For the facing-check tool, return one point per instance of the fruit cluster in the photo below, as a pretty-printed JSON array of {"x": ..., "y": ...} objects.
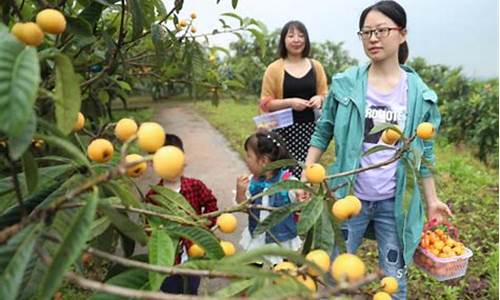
[
  {"x": 346, "y": 267},
  {"x": 440, "y": 255},
  {"x": 47, "y": 21},
  {"x": 168, "y": 161},
  {"x": 440, "y": 244},
  {"x": 226, "y": 223}
]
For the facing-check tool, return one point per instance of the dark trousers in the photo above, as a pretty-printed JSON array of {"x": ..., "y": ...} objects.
[{"x": 177, "y": 284}]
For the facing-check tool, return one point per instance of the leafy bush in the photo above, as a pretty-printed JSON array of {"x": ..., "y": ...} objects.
[{"x": 469, "y": 108}]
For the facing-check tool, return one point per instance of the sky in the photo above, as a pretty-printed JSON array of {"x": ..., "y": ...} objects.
[{"x": 450, "y": 32}]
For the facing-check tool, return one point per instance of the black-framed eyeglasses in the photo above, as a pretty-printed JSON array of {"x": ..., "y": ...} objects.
[{"x": 380, "y": 33}]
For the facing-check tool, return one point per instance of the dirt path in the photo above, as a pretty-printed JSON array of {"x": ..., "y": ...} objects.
[{"x": 208, "y": 158}]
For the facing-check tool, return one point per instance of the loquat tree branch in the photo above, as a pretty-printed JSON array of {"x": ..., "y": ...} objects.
[
  {"x": 127, "y": 292},
  {"x": 397, "y": 156},
  {"x": 351, "y": 288},
  {"x": 17, "y": 186},
  {"x": 146, "y": 212},
  {"x": 161, "y": 269}
]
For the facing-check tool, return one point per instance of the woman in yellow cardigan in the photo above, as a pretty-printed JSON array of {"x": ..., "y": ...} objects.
[{"x": 295, "y": 81}]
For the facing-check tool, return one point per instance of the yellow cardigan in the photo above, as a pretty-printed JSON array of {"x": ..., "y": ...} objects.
[{"x": 272, "y": 83}]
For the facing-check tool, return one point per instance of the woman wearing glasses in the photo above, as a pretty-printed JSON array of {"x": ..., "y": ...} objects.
[{"x": 383, "y": 91}]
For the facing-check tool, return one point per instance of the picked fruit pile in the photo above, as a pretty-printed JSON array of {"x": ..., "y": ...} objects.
[
  {"x": 440, "y": 255},
  {"x": 440, "y": 244}
]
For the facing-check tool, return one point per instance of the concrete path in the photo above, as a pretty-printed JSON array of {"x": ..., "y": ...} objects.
[{"x": 208, "y": 158}]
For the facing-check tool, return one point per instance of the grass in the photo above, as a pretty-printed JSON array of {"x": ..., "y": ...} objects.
[
  {"x": 493, "y": 275},
  {"x": 468, "y": 186}
]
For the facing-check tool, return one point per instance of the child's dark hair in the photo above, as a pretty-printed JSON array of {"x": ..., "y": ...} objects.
[
  {"x": 269, "y": 144},
  {"x": 397, "y": 14},
  {"x": 284, "y": 31},
  {"x": 173, "y": 140}
]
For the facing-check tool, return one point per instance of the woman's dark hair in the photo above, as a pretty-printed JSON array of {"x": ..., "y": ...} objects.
[
  {"x": 268, "y": 144},
  {"x": 397, "y": 14},
  {"x": 284, "y": 31},
  {"x": 173, "y": 140}
]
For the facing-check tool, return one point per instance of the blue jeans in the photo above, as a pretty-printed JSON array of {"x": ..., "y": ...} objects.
[{"x": 381, "y": 215}]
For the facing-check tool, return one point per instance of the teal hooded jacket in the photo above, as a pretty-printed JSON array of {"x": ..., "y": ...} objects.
[{"x": 343, "y": 120}]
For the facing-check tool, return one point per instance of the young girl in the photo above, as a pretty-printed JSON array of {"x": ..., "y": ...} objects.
[
  {"x": 387, "y": 91},
  {"x": 262, "y": 148}
]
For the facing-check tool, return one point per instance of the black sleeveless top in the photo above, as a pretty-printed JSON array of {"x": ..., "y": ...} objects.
[{"x": 304, "y": 88}]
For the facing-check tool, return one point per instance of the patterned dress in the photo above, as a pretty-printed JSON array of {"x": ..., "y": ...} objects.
[{"x": 298, "y": 135}]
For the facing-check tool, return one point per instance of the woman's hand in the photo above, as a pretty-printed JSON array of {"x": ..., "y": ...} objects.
[
  {"x": 316, "y": 102},
  {"x": 435, "y": 208},
  {"x": 438, "y": 210},
  {"x": 299, "y": 104}
]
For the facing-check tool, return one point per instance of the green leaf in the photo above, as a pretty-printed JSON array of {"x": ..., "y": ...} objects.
[
  {"x": 79, "y": 26},
  {"x": 284, "y": 186},
  {"x": 221, "y": 49},
  {"x": 30, "y": 169},
  {"x": 103, "y": 96},
  {"x": 224, "y": 25},
  {"x": 12, "y": 274},
  {"x": 259, "y": 254},
  {"x": 125, "y": 225},
  {"x": 277, "y": 216},
  {"x": 411, "y": 176},
  {"x": 160, "y": 7},
  {"x": 310, "y": 214},
  {"x": 133, "y": 279},
  {"x": 168, "y": 199},
  {"x": 92, "y": 13},
  {"x": 20, "y": 142},
  {"x": 234, "y": 288},
  {"x": 124, "y": 85},
  {"x": 307, "y": 245},
  {"x": 234, "y": 84},
  {"x": 13, "y": 214},
  {"x": 127, "y": 244},
  {"x": 67, "y": 94},
  {"x": 278, "y": 165},
  {"x": 234, "y": 3},
  {"x": 48, "y": 176},
  {"x": 200, "y": 236},
  {"x": 67, "y": 147},
  {"x": 136, "y": 9},
  {"x": 49, "y": 128},
  {"x": 71, "y": 181},
  {"x": 242, "y": 271},
  {"x": 70, "y": 249},
  {"x": 98, "y": 227},
  {"x": 122, "y": 192},
  {"x": 383, "y": 126},
  {"x": 235, "y": 16},
  {"x": 377, "y": 148},
  {"x": 161, "y": 251},
  {"x": 286, "y": 288},
  {"x": 337, "y": 233},
  {"x": 19, "y": 79},
  {"x": 239, "y": 36},
  {"x": 417, "y": 158},
  {"x": 323, "y": 232},
  {"x": 260, "y": 39}
]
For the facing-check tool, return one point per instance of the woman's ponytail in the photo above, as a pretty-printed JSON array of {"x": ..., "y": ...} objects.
[{"x": 403, "y": 53}]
